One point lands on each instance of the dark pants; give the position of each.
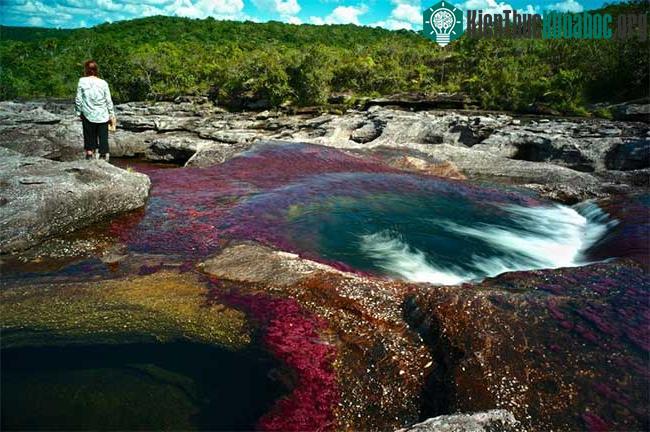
(95, 135)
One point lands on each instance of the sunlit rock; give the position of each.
(42, 198)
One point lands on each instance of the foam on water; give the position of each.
(397, 257)
(546, 237)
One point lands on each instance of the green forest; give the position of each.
(159, 58)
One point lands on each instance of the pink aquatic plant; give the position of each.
(594, 423)
(295, 337)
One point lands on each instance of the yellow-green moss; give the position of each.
(164, 306)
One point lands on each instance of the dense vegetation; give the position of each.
(162, 57)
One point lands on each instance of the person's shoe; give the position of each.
(89, 156)
(107, 156)
(96, 155)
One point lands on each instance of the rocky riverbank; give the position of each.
(208, 259)
(41, 198)
(565, 159)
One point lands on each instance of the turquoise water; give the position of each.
(422, 232)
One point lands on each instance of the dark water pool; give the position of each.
(173, 386)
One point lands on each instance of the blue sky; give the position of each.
(391, 14)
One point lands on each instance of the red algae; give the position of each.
(293, 336)
(631, 237)
(595, 423)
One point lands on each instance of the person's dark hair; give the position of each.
(91, 68)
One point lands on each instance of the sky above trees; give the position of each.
(391, 14)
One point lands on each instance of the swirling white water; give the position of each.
(544, 237)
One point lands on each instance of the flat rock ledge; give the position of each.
(487, 421)
(41, 198)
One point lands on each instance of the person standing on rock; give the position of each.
(94, 107)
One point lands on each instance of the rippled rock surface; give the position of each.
(494, 420)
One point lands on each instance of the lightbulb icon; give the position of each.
(443, 21)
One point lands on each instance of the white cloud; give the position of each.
(567, 6)
(287, 7)
(341, 15)
(405, 15)
(284, 8)
(294, 20)
(407, 12)
(496, 7)
(36, 21)
(530, 9)
(487, 6)
(392, 24)
(224, 9)
(75, 13)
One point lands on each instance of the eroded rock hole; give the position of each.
(178, 386)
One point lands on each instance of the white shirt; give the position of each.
(94, 100)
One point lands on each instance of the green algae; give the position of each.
(156, 308)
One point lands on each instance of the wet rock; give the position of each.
(60, 141)
(214, 153)
(534, 150)
(627, 179)
(418, 162)
(560, 349)
(401, 128)
(362, 320)
(493, 420)
(283, 268)
(30, 143)
(629, 155)
(474, 130)
(418, 101)
(440, 169)
(46, 198)
(630, 237)
(172, 148)
(137, 124)
(124, 143)
(631, 111)
(241, 136)
(20, 113)
(583, 145)
(174, 124)
(188, 99)
(553, 180)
